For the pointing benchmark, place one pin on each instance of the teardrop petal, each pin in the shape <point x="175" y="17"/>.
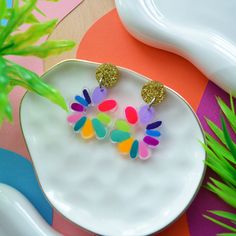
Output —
<point x="99" y="128"/>
<point x="153" y="133"/>
<point x="134" y="149"/>
<point x="99" y="94"/>
<point x="118" y="136"/>
<point x="150" y="141"/>
<point x="125" y="146"/>
<point x="143" y="151"/>
<point x="81" y="100"/>
<point x="154" y="125"/>
<point x="87" y="131"/>
<point x="146" y="114"/>
<point x="79" y="124"/>
<point x="131" y="115"/>
<point x="107" y="105"/>
<point x="73" y="118"/>
<point x="87" y="96"/>
<point x="104" y="118"/>
<point x="77" y="107"/>
<point x="122" y="125"/>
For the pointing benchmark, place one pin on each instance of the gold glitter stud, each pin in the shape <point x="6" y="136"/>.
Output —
<point x="107" y="75"/>
<point x="153" y="92"/>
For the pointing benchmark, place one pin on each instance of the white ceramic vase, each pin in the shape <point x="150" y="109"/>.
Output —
<point x="201" y="31"/>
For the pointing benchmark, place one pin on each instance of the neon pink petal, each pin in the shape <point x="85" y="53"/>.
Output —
<point x="143" y="151"/>
<point x="131" y="115"/>
<point x="73" y="118"/>
<point x="107" y="105"/>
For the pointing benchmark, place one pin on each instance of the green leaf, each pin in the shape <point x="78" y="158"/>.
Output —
<point x="226" y="234"/>
<point x="218" y="132"/>
<point x="17" y="18"/>
<point x="223" y="191"/>
<point x="39" y="11"/>
<point x="31" y="19"/>
<point x="45" y="49"/>
<point x="220" y="166"/>
<point x="227" y="215"/>
<point x="219" y="149"/>
<point x="220" y="223"/>
<point x="32" y="34"/>
<point x="5" y="108"/>
<point x="229" y="142"/>
<point x="228" y="113"/>
<point x="35" y="84"/>
<point x="3" y="7"/>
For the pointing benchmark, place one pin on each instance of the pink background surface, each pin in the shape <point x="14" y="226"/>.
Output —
<point x="10" y="134"/>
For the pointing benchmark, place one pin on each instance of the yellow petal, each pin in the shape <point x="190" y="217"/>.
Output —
<point x="87" y="131"/>
<point x="125" y="146"/>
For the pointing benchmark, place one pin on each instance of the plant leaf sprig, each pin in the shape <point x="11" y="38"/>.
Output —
<point x="222" y="160"/>
<point x="14" y="41"/>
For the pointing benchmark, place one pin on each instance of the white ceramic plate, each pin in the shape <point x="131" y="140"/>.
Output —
<point x="201" y="31"/>
<point x="89" y="182"/>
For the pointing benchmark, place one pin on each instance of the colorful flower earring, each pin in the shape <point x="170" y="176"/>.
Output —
<point x="107" y="76"/>
<point x="152" y="93"/>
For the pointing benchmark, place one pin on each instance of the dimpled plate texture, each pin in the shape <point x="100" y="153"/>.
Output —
<point x="90" y="182"/>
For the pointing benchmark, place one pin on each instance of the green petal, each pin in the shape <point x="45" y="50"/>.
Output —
<point x="104" y="118"/>
<point x="122" y="125"/>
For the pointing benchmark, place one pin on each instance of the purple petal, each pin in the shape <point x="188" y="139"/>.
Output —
<point x="87" y="96"/>
<point x="154" y="125"/>
<point x="99" y="94"/>
<point x="146" y="114"/>
<point x="150" y="141"/>
<point x="77" y="107"/>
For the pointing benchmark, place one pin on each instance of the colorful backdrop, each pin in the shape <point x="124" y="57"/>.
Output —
<point x="107" y="41"/>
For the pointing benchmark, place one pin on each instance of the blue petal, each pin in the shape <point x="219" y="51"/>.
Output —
<point x="81" y="100"/>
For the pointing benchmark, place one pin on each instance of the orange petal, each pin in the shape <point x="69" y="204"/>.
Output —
<point x="87" y="131"/>
<point x="125" y="146"/>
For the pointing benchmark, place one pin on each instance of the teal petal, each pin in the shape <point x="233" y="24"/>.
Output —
<point x="134" y="149"/>
<point x="79" y="124"/>
<point x="118" y="136"/>
<point x="99" y="128"/>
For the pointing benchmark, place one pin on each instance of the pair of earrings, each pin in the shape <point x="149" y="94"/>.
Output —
<point x="107" y="76"/>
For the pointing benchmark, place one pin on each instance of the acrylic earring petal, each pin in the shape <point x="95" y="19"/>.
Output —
<point x="154" y="125"/>
<point x="87" y="131"/>
<point x="134" y="149"/>
<point x="77" y="107"/>
<point x="99" y="128"/>
<point x="74" y="117"/>
<point x="131" y="115"/>
<point x="153" y="133"/>
<point x="87" y="96"/>
<point x="143" y="151"/>
<point x="104" y="118"/>
<point x="125" y="146"/>
<point x="99" y="95"/>
<point x="151" y="141"/>
<point x="107" y="105"/>
<point x="146" y="114"/>
<point x="81" y="100"/>
<point x="118" y="136"/>
<point x="79" y="124"/>
<point x="122" y="125"/>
